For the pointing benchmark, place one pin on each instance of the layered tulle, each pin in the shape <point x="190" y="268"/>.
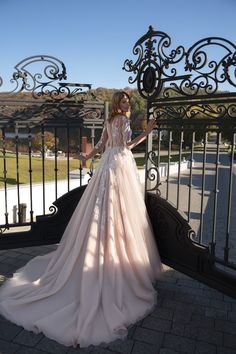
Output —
<point x="100" y="278"/>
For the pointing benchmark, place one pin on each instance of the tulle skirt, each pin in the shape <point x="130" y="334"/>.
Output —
<point x="100" y="278"/>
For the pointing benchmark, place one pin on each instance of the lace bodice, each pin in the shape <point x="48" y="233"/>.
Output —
<point x="115" y="133"/>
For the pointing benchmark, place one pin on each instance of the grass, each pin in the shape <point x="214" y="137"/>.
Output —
<point x="37" y="176"/>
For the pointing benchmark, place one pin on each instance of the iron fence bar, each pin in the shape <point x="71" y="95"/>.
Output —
<point x="17" y="172"/>
<point x="147" y="162"/>
<point x="92" y="135"/>
<point x="11" y="225"/>
<point x="203" y="187"/>
<point x="179" y="168"/>
<point x="68" y="156"/>
<point x="227" y="264"/>
<point x="168" y="167"/>
<point x="30" y="173"/>
<point x="216" y="191"/>
<point x="191" y="176"/>
<point x="159" y="161"/>
<point x="159" y="149"/>
<point x="55" y="160"/>
<point x="80" y="163"/>
<point x="226" y="248"/>
<point x="43" y="166"/>
<point x="5" y="174"/>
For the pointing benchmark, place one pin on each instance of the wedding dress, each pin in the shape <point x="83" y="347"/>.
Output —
<point x="100" y="278"/>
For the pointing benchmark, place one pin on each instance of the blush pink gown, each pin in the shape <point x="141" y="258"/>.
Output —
<point x="100" y="278"/>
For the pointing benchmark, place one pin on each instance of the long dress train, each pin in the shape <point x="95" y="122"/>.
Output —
<point x="100" y="278"/>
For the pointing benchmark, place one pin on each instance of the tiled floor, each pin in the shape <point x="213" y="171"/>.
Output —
<point x="189" y="318"/>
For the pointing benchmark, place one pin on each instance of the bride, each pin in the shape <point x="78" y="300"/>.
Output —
<point x="100" y="278"/>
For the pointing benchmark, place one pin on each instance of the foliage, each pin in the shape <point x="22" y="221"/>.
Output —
<point x="138" y="123"/>
<point x="49" y="141"/>
<point x="188" y="137"/>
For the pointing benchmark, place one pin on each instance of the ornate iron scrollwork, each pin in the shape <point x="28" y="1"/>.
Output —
<point x="153" y="173"/>
<point x="196" y="110"/>
<point x="157" y="73"/>
<point x="41" y="82"/>
<point x="42" y="75"/>
<point x="2" y="230"/>
<point x="82" y="113"/>
<point x="53" y="209"/>
<point x="152" y="68"/>
<point x="184" y="83"/>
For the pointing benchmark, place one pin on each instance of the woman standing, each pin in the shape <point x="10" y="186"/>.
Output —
<point x="100" y="278"/>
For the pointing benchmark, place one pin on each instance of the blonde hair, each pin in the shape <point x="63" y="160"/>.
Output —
<point x="115" y="103"/>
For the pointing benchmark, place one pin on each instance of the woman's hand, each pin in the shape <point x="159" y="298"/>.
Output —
<point x="143" y="135"/>
<point x="150" y="125"/>
<point x="82" y="158"/>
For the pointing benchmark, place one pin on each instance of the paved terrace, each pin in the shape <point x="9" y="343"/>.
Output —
<point x="189" y="318"/>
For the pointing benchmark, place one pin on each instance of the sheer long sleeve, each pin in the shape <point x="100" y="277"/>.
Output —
<point x="103" y="139"/>
<point x="100" y="144"/>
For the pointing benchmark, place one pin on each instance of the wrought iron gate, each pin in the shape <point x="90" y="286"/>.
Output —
<point x="42" y="120"/>
<point x="192" y="94"/>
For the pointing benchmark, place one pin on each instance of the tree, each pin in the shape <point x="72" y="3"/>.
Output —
<point x="49" y="141"/>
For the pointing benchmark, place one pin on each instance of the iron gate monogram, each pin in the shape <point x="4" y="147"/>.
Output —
<point x="191" y="92"/>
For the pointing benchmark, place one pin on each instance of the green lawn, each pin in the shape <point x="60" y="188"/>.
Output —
<point x="49" y="168"/>
<point x="36" y="169"/>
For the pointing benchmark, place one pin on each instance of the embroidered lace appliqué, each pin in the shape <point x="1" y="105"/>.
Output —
<point x="115" y="133"/>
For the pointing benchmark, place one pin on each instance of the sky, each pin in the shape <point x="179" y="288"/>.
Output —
<point x="94" y="37"/>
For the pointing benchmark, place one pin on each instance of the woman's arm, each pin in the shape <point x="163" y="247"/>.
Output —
<point x="141" y="137"/>
<point x="98" y="147"/>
